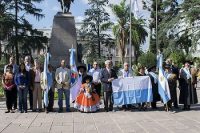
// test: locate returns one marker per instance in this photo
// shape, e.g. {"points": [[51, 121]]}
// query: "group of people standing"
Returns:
{"points": [[184, 78], [21, 81], [27, 79]]}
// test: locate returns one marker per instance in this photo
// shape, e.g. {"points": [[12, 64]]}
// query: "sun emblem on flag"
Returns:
{"points": [[161, 78]]}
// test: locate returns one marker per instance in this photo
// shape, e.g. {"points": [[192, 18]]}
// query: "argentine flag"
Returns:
{"points": [[135, 9], [75, 81], [163, 87], [46, 61]]}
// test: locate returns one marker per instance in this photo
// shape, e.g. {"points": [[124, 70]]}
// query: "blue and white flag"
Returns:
{"points": [[163, 86], [74, 72], [135, 9], [75, 81], [132, 90], [46, 61]]}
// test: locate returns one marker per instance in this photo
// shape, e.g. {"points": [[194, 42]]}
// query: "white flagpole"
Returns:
{"points": [[130, 36], [157, 47]]}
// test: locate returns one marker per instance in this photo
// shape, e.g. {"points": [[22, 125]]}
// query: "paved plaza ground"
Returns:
{"points": [[102, 122]]}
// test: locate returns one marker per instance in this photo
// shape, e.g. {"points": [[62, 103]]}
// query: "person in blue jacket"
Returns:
{"points": [[22, 82]]}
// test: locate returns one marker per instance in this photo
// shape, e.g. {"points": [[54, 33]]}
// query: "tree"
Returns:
{"points": [[6, 23], [22, 31], [121, 29], [139, 35], [96, 22], [150, 5], [178, 28], [177, 57], [147, 59]]}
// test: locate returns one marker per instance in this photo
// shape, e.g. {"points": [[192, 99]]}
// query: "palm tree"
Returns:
{"points": [[121, 29], [139, 35]]}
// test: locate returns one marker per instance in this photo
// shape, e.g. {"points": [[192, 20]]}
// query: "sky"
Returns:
{"points": [[51, 7]]}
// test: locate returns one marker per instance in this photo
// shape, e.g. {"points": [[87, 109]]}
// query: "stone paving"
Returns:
{"points": [[102, 122]]}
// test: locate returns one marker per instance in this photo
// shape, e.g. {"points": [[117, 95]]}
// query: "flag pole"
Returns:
{"points": [[130, 36], [157, 47]]}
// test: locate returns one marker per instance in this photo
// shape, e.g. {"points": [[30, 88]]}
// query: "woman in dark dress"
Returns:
{"points": [[188, 94]]}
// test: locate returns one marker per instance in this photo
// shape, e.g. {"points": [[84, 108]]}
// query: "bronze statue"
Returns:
{"points": [[65, 5]]}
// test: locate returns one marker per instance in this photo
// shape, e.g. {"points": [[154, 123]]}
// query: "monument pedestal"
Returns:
{"points": [[62, 38]]}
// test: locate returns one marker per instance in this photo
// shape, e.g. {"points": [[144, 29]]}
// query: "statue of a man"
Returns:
{"points": [[65, 5]]}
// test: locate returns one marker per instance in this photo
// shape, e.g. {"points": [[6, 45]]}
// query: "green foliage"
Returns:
{"points": [[96, 21], [1, 89], [197, 62], [1, 92], [150, 5], [177, 25], [122, 31], [135, 68], [147, 59], [17, 30], [177, 57]]}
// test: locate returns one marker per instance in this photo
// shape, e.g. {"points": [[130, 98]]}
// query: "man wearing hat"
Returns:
{"points": [[188, 94], [95, 72], [82, 71], [171, 78], [107, 76], [63, 80]]}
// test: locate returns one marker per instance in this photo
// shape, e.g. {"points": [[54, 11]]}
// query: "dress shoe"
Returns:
{"points": [[8, 111]]}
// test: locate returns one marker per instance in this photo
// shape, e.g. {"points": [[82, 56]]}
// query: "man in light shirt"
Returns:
{"points": [[37, 90], [124, 73], [63, 79], [95, 72]]}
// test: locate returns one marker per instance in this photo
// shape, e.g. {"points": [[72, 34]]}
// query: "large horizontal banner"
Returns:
{"points": [[131, 90]]}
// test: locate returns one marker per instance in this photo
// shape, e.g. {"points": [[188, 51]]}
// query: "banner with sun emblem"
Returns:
{"points": [[75, 82], [163, 86]]}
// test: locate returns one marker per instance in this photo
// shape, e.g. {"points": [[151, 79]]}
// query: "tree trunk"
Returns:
{"points": [[0, 51], [98, 32], [16, 32]]}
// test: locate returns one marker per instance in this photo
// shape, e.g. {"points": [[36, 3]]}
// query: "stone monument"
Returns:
{"points": [[63, 36]]}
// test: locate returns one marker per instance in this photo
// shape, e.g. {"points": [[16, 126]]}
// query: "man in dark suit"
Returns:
{"points": [[108, 75]]}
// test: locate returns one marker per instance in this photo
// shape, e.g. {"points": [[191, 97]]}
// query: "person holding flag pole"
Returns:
{"points": [[163, 86], [75, 81], [46, 82]]}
